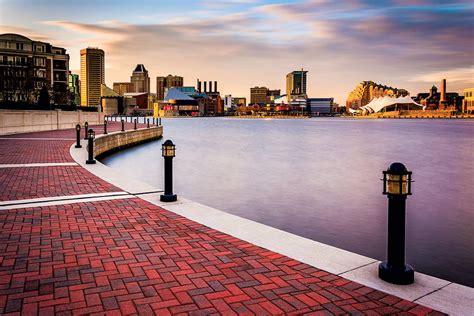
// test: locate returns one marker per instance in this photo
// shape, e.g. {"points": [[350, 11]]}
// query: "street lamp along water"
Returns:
{"points": [[397, 180], [168, 149], [397, 186]]}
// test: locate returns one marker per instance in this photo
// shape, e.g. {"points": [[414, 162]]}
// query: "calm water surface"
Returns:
{"points": [[319, 178]]}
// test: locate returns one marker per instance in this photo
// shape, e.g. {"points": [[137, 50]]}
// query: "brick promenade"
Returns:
{"points": [[129, 257]]}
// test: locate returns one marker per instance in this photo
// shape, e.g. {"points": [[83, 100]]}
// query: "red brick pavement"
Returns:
{"points": [[131, 257], [34, 182], [34, 151]]}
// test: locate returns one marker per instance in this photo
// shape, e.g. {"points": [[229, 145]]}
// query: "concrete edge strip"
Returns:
{"points": [[65, 202], [46, 164], [292, 242], [61, 198]]}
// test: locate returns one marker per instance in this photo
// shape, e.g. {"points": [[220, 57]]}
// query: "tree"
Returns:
{"points": [[43, 100]]}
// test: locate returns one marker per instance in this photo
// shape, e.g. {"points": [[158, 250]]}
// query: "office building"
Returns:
{"points": [[262, 95], [139, 80], [74, 86], [26, 65], [122, 87], [92, 75], [366, 91], [239, 101], [320, 106], [296, 84], [468, 102], [163, 84]]}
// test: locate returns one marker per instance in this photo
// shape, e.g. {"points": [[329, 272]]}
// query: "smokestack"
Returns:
{"points": [[205, 86], [443, 91], [210, 86], [215, 86], [199, 86]]}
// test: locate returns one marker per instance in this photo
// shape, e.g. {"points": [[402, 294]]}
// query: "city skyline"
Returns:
{"points": [[248, 43]]}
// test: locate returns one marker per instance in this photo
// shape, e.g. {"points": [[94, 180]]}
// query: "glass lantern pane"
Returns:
{"points": [[393, 184]]}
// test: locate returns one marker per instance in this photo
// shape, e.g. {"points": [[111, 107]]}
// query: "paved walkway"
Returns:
{"points": [[128, 256]]}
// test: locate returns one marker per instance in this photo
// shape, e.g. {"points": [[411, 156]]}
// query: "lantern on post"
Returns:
{"points": [[105, 127], [90, 147], [397, 186], [123, 126], [78, 136], [134, 124], [168, 153]]}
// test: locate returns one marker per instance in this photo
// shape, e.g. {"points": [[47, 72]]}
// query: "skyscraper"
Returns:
{"points": [[140, 80], [92, 75], [163, 83], [296, 84]]}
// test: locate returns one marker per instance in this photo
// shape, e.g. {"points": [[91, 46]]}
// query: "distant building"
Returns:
{"points": [[189, 91], [74, 86], [296, 84], [366, 91], [468, 102], [123, 87], [320, 106], [239, 101], [439, 100], [165, 83], [262, 95], [92, 75], [139, 80], [177, 103], [211, 100], [27, 65]]}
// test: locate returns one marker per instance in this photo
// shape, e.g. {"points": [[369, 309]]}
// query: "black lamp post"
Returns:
{"points": [[123, 126], [159, 121], [86, 128], [153, 120], [397, 186], [105, 126], [78, 136], [147, 123], [134, 123], [168, 152], [90, 147]]}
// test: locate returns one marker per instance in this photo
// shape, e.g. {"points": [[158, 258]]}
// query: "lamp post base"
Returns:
{"points": [[78, 146], [90, 162], [397, 275], [168, 198]]}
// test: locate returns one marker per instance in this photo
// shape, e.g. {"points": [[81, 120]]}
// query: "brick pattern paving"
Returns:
{"points": [[34, 151], [36, 182], [129, 257]]}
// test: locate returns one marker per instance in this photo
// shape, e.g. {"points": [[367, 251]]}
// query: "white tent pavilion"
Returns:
{"points": [[384, 103]]}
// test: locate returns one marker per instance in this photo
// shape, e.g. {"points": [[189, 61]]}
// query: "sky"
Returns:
{"points": [[409, 44]]}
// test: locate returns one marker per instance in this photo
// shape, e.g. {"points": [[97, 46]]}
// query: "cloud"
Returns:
{"points": [[257, 43]]}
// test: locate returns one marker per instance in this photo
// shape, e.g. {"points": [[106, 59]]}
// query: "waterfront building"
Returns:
{"points": [[388, 104], [263, 95], [434, 100], [27, 65], [123, 87], [165, 83], [366, 91], [211, 100], [468, 102], [320, 106], [92, 75], [74, 86], [177, 103], [238, 101], [296, 82], [111, 102], [139, 80], [189, 90]]}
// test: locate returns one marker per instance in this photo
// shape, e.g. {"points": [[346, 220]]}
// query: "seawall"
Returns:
{"points": [[112, 142], [25, 121]]}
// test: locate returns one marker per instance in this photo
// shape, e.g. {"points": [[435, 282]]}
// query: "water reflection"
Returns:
{"points": [[319, 179]]}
